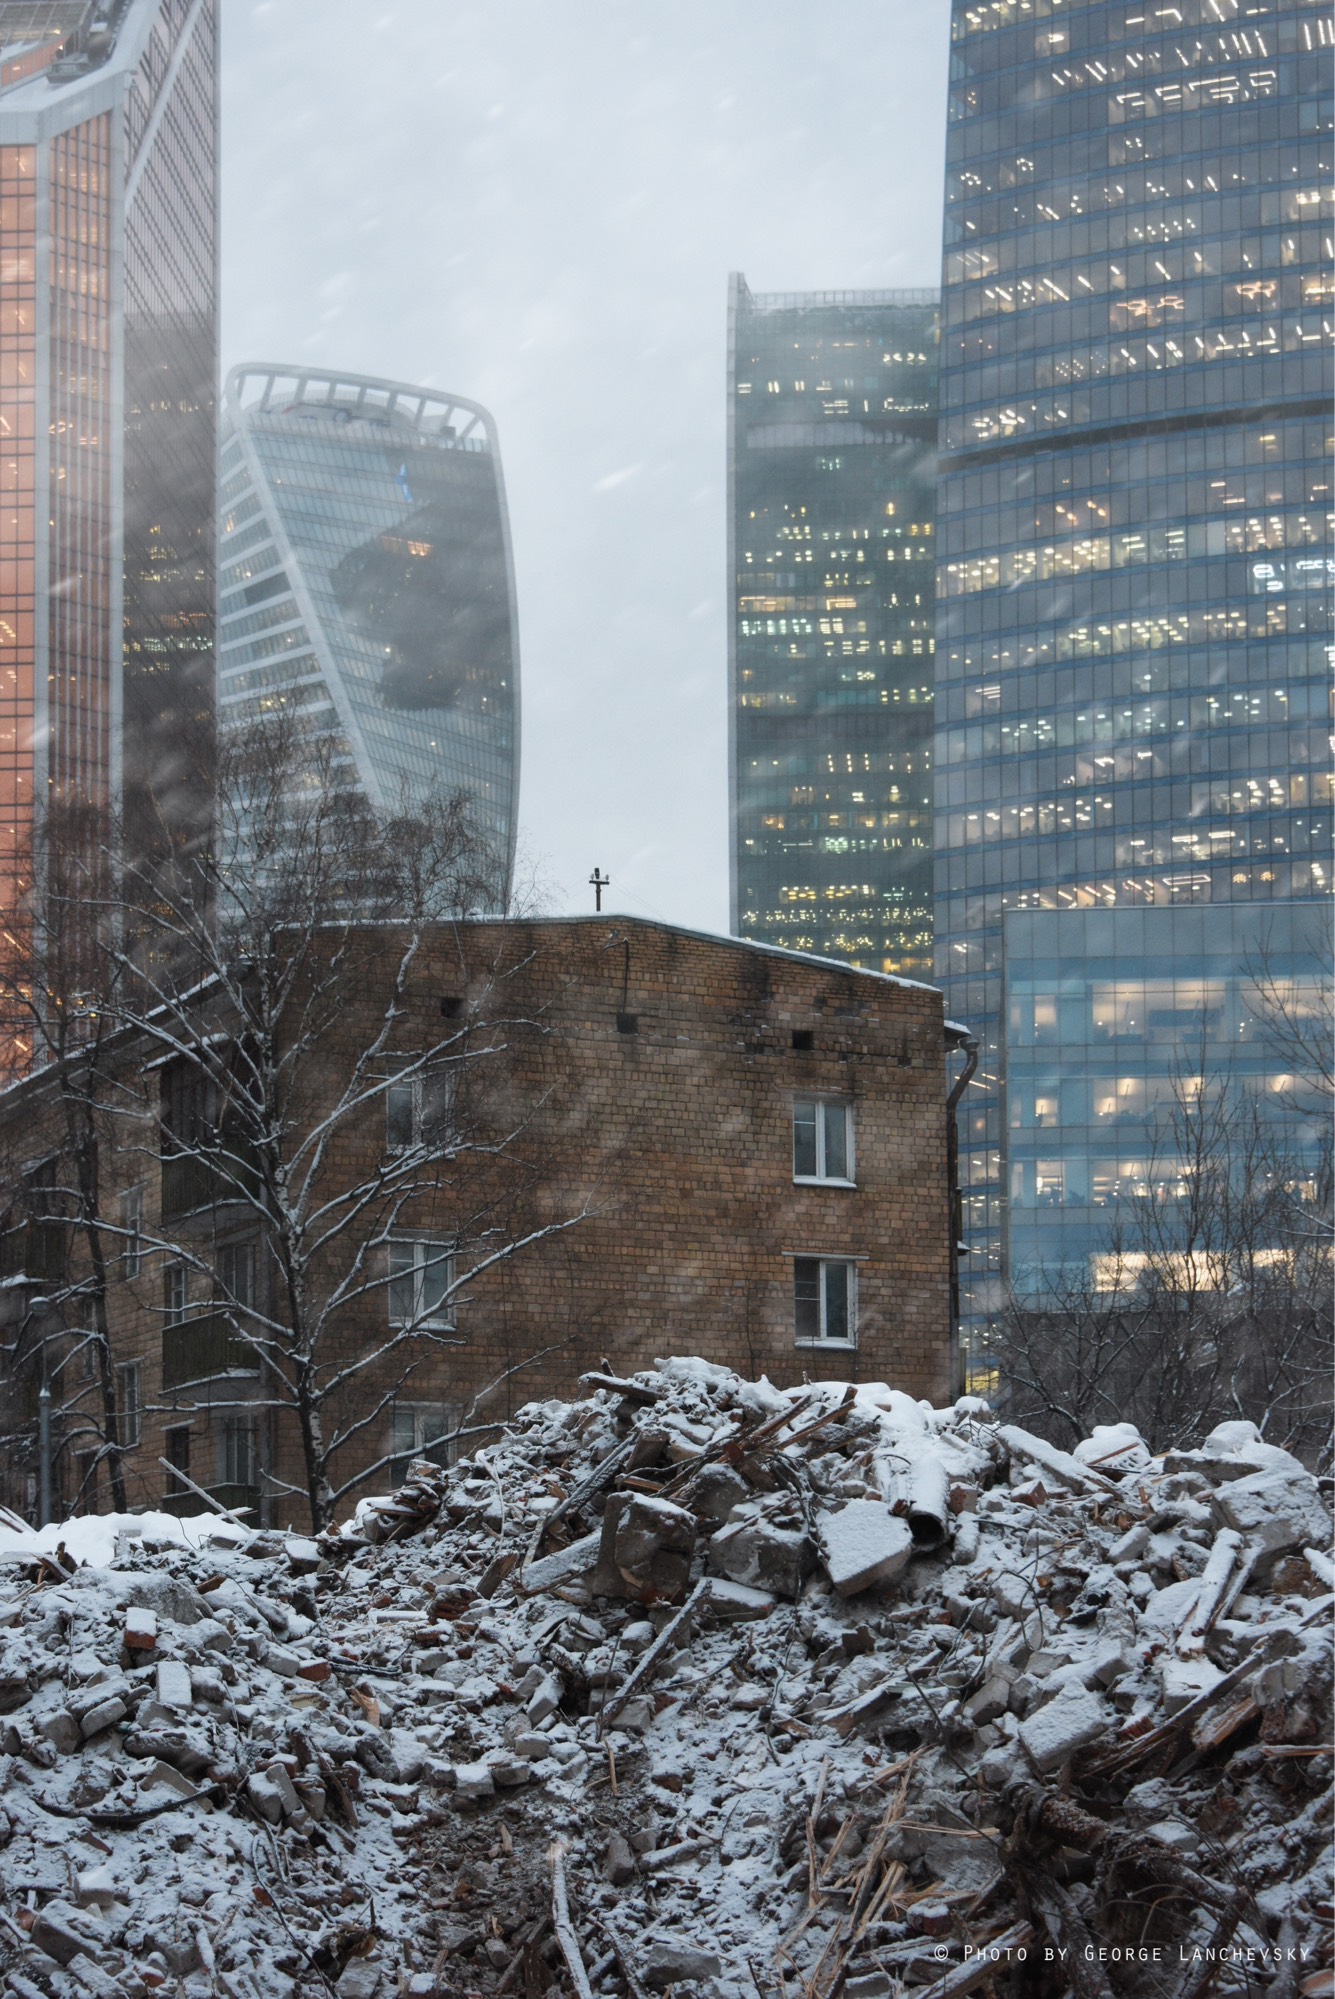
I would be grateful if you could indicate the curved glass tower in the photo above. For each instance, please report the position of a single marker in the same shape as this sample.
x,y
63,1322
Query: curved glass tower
x,y
1134,581
365,578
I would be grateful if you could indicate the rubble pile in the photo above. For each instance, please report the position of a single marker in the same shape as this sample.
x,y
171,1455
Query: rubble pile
x,y
691,1686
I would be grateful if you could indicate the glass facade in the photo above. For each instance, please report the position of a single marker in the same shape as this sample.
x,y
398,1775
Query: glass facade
x,y
1123,1024
366,580
108,253
832,421
1134,524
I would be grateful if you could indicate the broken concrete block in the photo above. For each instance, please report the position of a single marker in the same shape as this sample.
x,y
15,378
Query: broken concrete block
x,y
62,1731
619,1863
360,1979
715,1491
90,1977
159,1772
735,1603
549,1570
279,1776
266,1797
105,1715
666,1963
991,1699
62,1931
862,1545
141,1629
545,1698
279,1660
509,1772
645,1549
1053,1732
473,1782
174,1688
303,1556
1278,1508
1183,1679
763,1546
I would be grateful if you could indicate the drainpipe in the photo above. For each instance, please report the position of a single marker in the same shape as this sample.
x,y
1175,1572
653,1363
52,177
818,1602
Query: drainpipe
x,y
43,1454
957,1037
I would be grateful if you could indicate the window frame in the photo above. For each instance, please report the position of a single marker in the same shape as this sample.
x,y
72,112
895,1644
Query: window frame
x,y
431,1095
418,1319
129,1406
821,1105
420,1415
821,1340
132,1221
175,1311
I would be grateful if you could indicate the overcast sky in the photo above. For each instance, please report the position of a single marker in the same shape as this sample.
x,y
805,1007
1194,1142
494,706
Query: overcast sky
x,y
536,203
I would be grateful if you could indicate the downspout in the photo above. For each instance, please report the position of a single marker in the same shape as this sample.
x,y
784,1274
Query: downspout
x,y
956,1037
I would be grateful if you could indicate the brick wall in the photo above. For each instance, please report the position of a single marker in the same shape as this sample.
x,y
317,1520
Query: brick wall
x,y
638,1077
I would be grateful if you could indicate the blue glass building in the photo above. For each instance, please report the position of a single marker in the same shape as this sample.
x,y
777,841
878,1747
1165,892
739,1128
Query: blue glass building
x,y
1121,1026
832,422
366,581
1134,516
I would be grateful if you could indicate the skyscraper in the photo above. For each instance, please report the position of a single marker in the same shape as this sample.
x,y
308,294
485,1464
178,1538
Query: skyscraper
x,y
108,361
1134,579
366,580
831,509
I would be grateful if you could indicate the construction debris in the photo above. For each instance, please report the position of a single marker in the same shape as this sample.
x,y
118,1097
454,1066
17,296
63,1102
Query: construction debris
x,y
693,1686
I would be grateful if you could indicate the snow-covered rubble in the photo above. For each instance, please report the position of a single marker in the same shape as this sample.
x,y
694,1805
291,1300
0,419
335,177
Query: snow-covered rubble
x,y
694,1686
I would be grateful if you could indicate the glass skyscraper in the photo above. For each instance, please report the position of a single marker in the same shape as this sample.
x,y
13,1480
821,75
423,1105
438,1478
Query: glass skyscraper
x,y
366,581
832,421
108,365
1134,517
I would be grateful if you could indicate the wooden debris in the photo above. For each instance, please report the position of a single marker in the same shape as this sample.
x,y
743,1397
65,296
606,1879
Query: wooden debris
x,y
563,1927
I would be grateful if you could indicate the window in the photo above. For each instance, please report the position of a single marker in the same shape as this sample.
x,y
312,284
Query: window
x,y
822,1140
132,1221
236,1451
420,1276
236,1276
825,1301
417,1431
418,1107
177,1454
175,1293
129,1404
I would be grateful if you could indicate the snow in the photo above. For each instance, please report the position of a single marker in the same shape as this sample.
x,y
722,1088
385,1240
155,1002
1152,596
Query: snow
x,y
362,1724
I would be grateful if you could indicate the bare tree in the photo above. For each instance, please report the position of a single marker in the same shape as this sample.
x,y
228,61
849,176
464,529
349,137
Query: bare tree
x,y
59,1246
335,1173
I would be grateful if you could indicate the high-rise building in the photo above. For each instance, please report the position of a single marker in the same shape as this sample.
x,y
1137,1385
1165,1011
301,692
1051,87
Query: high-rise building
x,y
1134,581
832,423
366,581
108,363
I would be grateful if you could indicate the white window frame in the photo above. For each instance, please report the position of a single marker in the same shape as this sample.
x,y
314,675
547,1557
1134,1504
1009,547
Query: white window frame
x,y
429,1422
129,1403
431,1096
820,1178
825,1266
176,1277
426,1252
238,1440
132,1221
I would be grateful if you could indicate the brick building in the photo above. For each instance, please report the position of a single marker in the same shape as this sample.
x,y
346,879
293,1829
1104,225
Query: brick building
x,y
706,1146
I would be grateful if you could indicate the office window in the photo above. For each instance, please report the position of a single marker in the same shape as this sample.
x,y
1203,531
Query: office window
x,y
132,1221
419,1108
822,1140
825,1301
420,1276
129,1403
